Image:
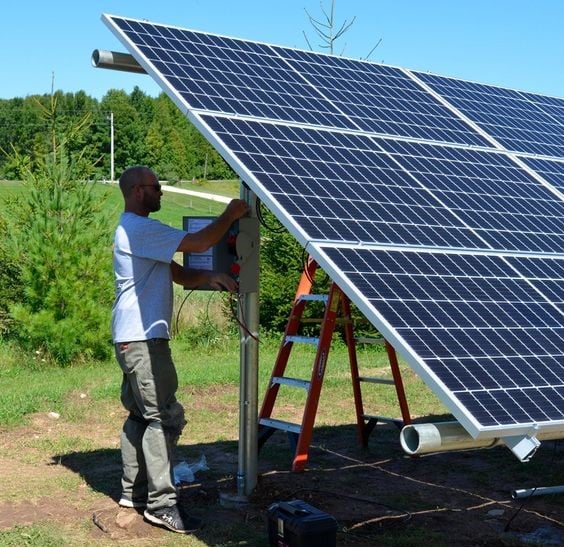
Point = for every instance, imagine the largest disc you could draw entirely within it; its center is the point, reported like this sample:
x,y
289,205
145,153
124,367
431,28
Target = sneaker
x,y
126,502
170,518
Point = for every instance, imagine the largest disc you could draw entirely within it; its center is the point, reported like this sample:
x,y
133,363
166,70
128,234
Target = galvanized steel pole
x,y
248,387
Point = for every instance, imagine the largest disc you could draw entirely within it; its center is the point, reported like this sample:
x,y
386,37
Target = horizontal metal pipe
x,y
114,60
539,491
439,437
444,436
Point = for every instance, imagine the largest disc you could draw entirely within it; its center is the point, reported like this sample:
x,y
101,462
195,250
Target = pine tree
x,y
61,242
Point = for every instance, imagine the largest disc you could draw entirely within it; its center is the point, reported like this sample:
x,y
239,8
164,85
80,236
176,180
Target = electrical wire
x,y
175,328
274,229
401,516
241,322
533,491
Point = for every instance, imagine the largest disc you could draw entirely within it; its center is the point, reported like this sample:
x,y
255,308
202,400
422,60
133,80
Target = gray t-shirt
x,y
143,250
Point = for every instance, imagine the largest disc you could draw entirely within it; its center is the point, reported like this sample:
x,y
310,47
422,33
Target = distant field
x,y
174,206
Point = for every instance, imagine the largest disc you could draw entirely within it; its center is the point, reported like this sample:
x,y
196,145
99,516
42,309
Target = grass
x,y
72,457
87,400
173,205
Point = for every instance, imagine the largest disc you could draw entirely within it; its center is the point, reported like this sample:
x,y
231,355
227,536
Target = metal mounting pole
x,y
248,413
248,315
248,403
112,173
539,491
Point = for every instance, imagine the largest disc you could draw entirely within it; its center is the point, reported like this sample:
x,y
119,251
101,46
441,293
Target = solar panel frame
x,y
321,239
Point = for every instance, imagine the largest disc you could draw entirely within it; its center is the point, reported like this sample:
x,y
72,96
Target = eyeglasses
x,y
157,187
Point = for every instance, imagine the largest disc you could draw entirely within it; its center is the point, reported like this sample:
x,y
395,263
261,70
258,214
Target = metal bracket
x,y
524,447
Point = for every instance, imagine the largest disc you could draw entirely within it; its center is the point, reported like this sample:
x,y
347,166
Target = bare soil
x,y
378,495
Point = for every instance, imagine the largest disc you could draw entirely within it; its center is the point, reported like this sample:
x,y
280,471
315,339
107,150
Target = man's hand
x,y
236,209
222,281
202,240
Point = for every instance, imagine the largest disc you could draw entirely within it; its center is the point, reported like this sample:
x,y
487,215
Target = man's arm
x,y
192,279
207,237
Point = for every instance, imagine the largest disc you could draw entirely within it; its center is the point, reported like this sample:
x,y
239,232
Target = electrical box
x,y
237,254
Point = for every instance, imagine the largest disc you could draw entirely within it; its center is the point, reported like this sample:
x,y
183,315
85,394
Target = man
x,y
144,271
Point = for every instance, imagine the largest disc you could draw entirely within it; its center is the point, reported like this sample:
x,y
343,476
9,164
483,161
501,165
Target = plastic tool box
x,y
297,524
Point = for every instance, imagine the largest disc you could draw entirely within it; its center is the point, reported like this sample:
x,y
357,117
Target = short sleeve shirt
x,y
143,250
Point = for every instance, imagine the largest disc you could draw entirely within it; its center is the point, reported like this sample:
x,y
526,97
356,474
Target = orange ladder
x,y
367,422
301,434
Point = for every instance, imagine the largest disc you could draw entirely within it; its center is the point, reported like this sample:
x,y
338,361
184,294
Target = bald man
x,y
141,316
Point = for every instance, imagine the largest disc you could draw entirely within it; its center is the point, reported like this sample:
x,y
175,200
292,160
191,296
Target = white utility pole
x,y
111,147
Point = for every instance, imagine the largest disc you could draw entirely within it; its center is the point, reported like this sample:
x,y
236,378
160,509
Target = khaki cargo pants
x,y
155,421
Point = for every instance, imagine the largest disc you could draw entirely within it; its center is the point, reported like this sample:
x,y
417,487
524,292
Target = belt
x,y
149,342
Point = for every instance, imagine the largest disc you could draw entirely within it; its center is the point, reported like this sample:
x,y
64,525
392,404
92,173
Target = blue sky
x,y
511,43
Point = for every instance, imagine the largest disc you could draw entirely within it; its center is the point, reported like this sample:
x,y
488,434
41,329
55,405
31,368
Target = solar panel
x,y
423,197
522,122
478,329
221,74
551,171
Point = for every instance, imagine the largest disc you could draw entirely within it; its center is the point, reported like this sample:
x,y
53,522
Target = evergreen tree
x,y
61,240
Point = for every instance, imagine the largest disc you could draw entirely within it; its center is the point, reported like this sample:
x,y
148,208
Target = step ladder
x,y
337,308
367,422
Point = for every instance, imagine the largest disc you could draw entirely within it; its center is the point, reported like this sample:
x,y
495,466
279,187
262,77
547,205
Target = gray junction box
x,y
236,254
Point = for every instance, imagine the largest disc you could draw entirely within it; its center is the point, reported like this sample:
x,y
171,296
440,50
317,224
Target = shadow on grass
x,y
377,494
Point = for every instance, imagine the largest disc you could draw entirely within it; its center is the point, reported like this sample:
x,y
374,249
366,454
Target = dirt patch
x,y
378,495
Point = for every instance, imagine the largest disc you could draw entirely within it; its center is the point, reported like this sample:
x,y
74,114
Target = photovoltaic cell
x,y
522,122
221,74
551,171
341,187
449,242
380,99
545,274
478,327
501,202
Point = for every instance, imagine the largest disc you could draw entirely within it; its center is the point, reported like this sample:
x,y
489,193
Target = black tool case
x,y
298,524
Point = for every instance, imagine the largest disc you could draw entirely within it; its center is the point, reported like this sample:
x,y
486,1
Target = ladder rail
x,y
317,375
304,287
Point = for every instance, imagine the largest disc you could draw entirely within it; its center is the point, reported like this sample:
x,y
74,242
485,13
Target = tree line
x,y
56,281
147,130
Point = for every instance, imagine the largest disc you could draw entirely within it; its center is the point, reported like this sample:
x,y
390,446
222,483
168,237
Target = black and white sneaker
x,y
170,518
135,504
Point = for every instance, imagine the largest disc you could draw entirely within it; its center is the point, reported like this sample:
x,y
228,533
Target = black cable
x,y
527,498
277,230
175,330
405,516
239,322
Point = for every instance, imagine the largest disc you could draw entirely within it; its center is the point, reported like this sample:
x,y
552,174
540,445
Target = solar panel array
x,y
436,204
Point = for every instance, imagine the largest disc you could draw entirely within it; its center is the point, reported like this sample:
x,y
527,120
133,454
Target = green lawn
x,y
173,205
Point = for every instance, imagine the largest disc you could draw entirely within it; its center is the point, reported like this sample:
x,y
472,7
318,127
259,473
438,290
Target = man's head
x,y
141,190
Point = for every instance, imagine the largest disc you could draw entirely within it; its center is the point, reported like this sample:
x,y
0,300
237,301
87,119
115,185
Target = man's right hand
x,y
236,209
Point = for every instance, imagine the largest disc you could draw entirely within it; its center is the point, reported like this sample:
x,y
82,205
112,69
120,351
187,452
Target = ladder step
x,y
372,380
382,419
293,382
314,340
314,297
281,424
369,340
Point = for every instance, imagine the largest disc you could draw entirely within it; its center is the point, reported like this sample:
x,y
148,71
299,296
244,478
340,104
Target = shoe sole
x,y
131,504
156,520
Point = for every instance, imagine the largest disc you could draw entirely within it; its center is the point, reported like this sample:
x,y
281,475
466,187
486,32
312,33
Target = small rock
x,y
54,415
496,512
125,519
